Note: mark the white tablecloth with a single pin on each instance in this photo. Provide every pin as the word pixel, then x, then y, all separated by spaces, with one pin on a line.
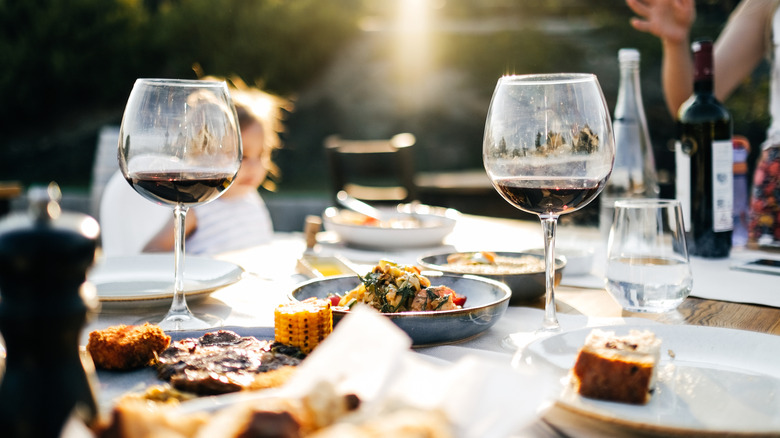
pixel 271 276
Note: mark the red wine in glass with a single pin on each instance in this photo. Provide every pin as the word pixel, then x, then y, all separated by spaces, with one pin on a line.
pixel 549 197
pixel 180 187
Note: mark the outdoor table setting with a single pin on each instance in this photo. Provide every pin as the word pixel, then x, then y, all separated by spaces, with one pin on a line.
pixel 418 315
pixel 270 273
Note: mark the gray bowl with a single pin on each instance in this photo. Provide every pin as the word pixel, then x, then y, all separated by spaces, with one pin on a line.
pixel 525 287
pixel 486 302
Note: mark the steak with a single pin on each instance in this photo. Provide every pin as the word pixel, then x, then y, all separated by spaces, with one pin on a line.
pixel 221 362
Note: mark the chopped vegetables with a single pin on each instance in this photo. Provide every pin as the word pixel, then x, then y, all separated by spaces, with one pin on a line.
pixel 392 288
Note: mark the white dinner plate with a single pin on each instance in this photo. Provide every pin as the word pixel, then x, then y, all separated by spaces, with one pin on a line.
pixel 720 382
pixel 147 280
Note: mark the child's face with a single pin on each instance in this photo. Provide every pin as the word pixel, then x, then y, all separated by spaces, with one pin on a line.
pixel 253 171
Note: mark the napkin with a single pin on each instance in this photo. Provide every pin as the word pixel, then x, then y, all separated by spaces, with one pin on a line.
pixel 368 355
pixel 360 357
pixel 715 279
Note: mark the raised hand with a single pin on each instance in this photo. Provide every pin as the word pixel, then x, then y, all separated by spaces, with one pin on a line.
pixel 669 20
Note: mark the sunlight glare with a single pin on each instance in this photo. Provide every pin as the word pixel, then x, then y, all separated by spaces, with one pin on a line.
pixel 413 16
pixel 413 30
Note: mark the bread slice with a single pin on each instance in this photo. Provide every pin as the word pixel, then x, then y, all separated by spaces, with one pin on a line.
pixel 617 368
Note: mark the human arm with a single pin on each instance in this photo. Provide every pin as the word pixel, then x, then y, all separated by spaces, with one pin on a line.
pixel 742 45
pixel 164 241
pixel 738 49
pixel 670 21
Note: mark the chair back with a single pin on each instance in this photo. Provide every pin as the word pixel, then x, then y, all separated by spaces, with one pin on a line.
pixel 127 220
pixel 379 171
pixel 104 166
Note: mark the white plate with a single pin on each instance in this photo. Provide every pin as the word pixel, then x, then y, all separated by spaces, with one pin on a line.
pixel 720 382
pixel 148 279
pixel 436 224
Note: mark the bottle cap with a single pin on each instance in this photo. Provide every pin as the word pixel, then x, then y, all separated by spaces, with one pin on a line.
pixel 628 55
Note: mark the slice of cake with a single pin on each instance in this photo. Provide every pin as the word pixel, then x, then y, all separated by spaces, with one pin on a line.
pixel 617 368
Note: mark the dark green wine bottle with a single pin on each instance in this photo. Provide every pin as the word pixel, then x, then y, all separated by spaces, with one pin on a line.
pixel 704 159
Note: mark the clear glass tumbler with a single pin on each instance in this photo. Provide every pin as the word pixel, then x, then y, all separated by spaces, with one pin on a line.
pixel 648 269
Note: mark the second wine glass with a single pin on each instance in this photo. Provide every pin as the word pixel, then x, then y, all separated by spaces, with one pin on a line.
pixel 179 145
pixel 549 150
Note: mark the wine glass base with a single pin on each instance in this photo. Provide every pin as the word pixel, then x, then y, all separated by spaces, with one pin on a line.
pixel 171 322
pixel 519 340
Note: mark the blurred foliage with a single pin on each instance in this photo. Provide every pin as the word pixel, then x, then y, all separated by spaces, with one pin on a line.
pixel 69 66
pixel 81 54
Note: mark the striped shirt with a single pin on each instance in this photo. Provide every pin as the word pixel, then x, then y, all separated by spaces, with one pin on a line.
pixel 228 224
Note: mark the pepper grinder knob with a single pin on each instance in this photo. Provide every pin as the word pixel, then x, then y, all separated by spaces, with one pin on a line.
pixel 44 203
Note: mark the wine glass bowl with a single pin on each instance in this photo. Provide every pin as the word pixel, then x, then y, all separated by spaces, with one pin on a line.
pixel 548 149
pixel 179 145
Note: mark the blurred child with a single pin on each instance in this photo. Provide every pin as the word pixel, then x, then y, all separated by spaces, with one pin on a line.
pixel 239 218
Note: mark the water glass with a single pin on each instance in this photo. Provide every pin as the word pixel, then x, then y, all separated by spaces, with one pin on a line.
pixel 648 269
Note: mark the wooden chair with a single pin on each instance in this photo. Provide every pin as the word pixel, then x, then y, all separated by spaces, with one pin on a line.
pixel 379 171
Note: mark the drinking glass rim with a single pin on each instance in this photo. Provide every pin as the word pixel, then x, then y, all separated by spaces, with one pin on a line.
pixel 644 203
pixel 548 78
pixel 181 82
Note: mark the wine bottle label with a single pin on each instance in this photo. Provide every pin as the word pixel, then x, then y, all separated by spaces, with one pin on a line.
pixel 683 183
pixel 722 185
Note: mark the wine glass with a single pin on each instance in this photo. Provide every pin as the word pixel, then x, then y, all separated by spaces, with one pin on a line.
pixel 549 150
pixel 179 145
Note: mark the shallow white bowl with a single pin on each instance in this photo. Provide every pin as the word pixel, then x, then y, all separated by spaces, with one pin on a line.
pixel 435 224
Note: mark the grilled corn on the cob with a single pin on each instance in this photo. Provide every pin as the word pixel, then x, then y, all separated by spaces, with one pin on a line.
pixel 303 324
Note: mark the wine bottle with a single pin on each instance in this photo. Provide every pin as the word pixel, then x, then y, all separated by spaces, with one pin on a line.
pixel 704 163
pixel 633 174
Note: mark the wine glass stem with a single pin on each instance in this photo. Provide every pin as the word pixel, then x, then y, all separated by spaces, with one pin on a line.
pixel 179 305
pixel 549 224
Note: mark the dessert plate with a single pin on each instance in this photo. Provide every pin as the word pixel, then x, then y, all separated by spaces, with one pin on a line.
pixel 147 279
pixel 711 381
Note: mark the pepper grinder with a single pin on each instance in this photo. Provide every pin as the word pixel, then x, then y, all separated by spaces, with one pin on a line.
pixel 44 304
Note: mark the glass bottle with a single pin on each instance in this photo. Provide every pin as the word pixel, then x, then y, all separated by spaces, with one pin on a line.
pixel 634 173
pixel 704 160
